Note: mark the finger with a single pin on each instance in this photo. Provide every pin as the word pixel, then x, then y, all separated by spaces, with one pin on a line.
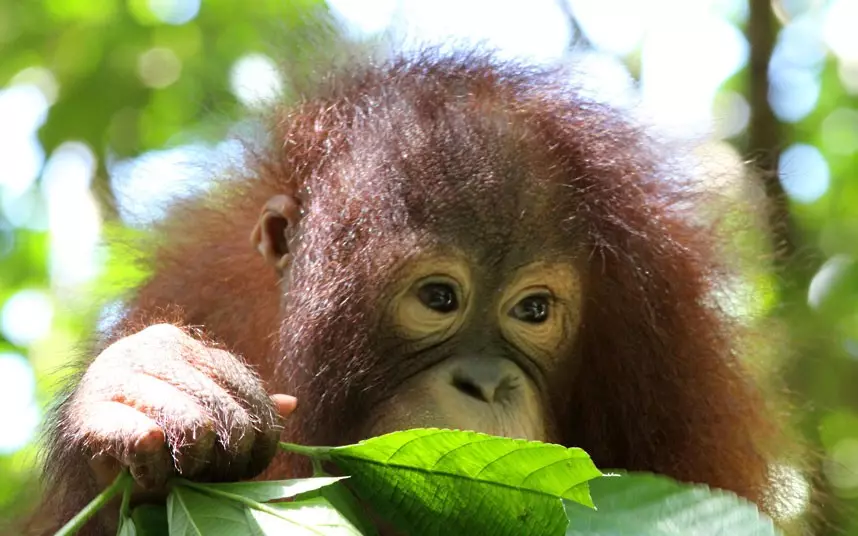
pixel 285 404
pixel 228 371
pixel 266 440
pixel 117 432
pixel 188 428
pixel 226 458
pixel 118 429
pixel 263 451
pixel 219 381
pixel 233 423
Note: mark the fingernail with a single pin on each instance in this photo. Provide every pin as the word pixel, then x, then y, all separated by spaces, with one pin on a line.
pixel 150 442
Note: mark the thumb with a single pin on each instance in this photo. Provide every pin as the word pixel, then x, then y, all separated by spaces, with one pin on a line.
pixel 285 404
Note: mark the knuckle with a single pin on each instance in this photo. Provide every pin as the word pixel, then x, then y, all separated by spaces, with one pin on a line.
pixel 161 332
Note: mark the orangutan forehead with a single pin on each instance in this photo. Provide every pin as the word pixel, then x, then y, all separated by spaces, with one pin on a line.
pixel 442 183
pixel 473 204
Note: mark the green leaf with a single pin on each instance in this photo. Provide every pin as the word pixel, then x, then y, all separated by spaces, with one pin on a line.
pixel 650 505
pixel 126 527
pixel 422 479
pixel 264 491
pixel 345 502
pixel 312 517
pixel 150 520
pixel 191 513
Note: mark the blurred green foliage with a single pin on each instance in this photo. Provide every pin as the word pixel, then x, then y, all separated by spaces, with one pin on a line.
pixel 93 49
pixel 127 82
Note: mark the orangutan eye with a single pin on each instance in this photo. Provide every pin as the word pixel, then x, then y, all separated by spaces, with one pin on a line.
pixel 439 297
pixel 533 309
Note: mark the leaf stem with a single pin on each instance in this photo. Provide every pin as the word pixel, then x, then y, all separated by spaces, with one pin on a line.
pixel 125 507
pixel 121 481
pixel 317 467
pixel 317 453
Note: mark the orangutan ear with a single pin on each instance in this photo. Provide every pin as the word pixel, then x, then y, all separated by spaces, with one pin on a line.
pixel 278 220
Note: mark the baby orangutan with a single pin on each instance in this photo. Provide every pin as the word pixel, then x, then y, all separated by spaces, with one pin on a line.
pixel 436 241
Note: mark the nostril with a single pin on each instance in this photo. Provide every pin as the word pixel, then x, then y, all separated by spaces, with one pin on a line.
pixel 469 388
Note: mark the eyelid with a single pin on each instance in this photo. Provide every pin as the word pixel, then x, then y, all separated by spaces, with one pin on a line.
pixel 421 324
pixel 443 280
pixel 543 293
pixel 530 292
pixel 437 278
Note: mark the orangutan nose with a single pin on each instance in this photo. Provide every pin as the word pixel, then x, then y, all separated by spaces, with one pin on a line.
pixel 488 379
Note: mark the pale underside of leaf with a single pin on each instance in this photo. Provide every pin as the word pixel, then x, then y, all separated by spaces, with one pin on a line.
pixel 269 490
pixel 652 505
pixel 126 527
pixel 347 504
pixel 193 513
pixel 311 517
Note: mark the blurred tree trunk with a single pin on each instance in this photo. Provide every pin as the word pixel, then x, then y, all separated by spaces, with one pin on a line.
pixel 765 133
pixel 796 260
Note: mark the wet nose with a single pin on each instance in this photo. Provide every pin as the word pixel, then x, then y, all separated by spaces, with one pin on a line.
pixel 488 379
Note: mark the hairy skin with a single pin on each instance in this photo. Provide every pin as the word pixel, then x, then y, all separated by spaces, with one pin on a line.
pixel 498 183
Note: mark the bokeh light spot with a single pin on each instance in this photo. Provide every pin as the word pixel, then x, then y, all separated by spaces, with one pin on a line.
pixel 159 67
pixel 364 18
pixel 710 50
pixel 17 398
pixel 40 77
pixel 804 173
pixel 839 29
pixel 841 467
pixel 26 317
pixel 146 185
pixel 73 214
pixel 255 80
pixel 731 113
pixel 615 26
pixel 537 32
pixel 23 110
pixel 847 72
pixel 795 69
pixel 793 93
pixel 829 276
pixel 175 11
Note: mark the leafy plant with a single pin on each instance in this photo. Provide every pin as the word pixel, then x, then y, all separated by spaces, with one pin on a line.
pixel 430 481
pixel 655 505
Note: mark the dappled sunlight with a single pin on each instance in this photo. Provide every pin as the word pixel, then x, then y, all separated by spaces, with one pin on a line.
pixel 794 492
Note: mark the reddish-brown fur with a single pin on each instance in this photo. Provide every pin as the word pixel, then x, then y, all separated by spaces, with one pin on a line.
pixel 657 385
